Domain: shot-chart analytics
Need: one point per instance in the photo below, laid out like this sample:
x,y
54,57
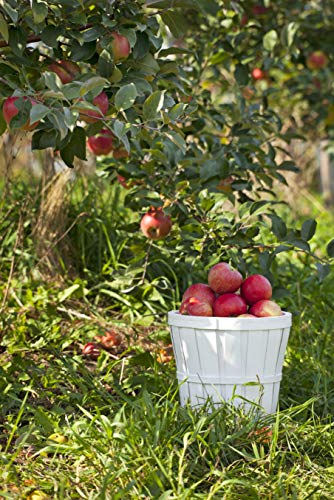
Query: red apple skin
x,y
155,224
223,279
259,74
200,291
317,60
265,308
102,143
246,316
91,350
196,307
256,287
101,101
120,47
120,153
229,304
9,110
259,10
66,70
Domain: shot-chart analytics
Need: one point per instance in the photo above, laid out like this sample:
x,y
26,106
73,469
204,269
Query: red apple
x,y
155,224
259,10
259,74
229,304
120,47
102,143
317,60
9,110
256,287
91,350
244,20
264,308
66,70
110,339
246,316
223,279
200,291
101,101
120,153
196,307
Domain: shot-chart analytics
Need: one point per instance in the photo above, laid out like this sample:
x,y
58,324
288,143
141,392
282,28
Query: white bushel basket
x,y
216,357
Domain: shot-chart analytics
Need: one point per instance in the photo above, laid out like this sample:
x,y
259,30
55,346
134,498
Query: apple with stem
x,y
223,279
155,224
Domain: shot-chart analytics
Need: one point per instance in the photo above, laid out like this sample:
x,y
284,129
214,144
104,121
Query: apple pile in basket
x,y
228,294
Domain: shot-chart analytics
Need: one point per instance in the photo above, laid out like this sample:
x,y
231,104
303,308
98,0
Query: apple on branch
x,y
155,224
120,47
102,143
317,60
101,101
10,110
66,70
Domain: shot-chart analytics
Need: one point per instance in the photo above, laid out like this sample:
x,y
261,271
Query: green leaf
x,y
39,11
82,52
3,124
175,21
65,294
330,248
43,139
56,117
76,147
148,65
17,40
178,140
105,64
288,33
142,46
4,28
94,84
125,96
50,35
13,13
38,112
308,229
153,105
241,74
269,40
296,242
278,226
323,270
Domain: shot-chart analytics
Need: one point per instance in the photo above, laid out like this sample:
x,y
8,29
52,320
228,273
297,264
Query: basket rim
x,y
175,318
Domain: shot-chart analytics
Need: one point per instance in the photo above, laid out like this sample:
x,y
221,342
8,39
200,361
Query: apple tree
x,y
166,96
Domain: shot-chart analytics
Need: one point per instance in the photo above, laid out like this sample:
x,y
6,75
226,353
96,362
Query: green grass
x,y
120,430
